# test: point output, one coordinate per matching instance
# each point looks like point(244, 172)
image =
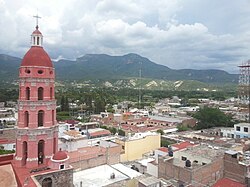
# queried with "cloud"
point(179, 34)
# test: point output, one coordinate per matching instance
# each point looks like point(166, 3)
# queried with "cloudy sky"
point(197, 34)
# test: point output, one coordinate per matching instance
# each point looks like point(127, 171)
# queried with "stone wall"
point(62, 178)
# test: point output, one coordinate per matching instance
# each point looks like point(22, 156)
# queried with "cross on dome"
point(37, 17)
point(37, 37)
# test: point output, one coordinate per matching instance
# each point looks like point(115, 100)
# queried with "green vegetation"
point(212, 117)
point(3, 152)
point(113, 130)
point(61, 116)
point(160, 131)
point(182, 128)
point(8, 94)
point(121, 132)
point(166, 143)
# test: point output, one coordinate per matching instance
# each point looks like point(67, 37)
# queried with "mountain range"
point(106, 67)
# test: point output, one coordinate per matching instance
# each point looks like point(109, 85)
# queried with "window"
point(203, 163)
point(62, 166)
point(40, 71)
point(195, 161)
point(237, 128)
point(27, 93)
point(183, 158)
point(27, 71)
point(37, 40)
point(40, 93)
point(40, 118)
point(245, 129)
point(234, 156)
point(237, 136)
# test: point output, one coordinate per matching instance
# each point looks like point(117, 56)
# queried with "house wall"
point(203, 175)
point(111, 156)
point(134, 149)
point(234, 170)
point(152, 169)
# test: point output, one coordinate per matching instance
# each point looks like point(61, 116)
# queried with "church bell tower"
point(37, 130)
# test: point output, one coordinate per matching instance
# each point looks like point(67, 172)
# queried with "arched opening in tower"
point(25, 153)
point(26, 119)
point(51, 93)
point(40, 151)
point(40, 93)
point(40, 118)
point(27, 93)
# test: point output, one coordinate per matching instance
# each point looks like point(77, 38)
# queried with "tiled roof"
point(225, 182)
point(182, 145)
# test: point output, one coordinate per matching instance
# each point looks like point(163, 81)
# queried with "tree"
point(160, 131)
point(182, 127)
point(66, 104)
point(212, 117)
point(121, 132)
point(113, 130)
point(62, 103)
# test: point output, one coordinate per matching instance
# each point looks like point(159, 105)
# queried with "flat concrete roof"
point(97, 176)
point(126, 170)
point(149, 181)
point(7, 176)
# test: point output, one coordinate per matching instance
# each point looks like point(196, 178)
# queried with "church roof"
point(36, 56)
point(36, 31)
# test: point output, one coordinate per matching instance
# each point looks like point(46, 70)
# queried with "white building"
point(242, 130)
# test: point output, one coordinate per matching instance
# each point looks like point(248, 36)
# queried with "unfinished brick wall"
point(208, 174)
point(203, 175)
point(168, 171)
point(234, 170)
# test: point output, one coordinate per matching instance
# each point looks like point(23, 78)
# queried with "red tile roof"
point(182, 145)
point(225, 182)
point(163, 149)
point(100, 133)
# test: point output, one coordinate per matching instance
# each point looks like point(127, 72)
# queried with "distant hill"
point(106, 67)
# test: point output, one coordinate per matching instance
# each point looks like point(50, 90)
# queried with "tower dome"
point(60, 155)
point(60, 160)
point(36, 55)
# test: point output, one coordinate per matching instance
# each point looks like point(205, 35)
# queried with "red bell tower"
point(37, 130)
